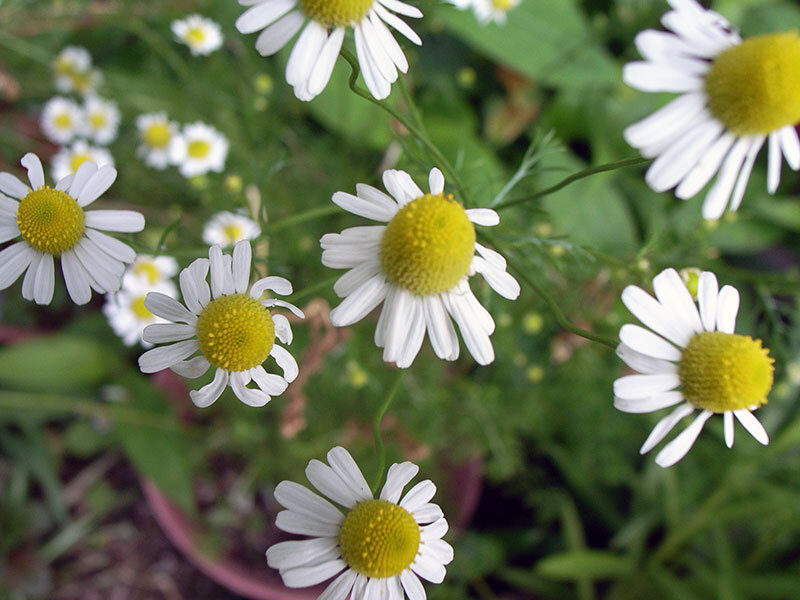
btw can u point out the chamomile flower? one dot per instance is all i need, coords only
(52, 222)
(126, 312)
(690, 359)
(229, 325)
(199, 149)
(73, 71)
(488, 11)
(202, 35)
(62, 119)
(67, 160)
(157, 135)
(227, 228)
(151, 269)
(315, 52)
(735, 96)
(379, 547)
(418, 264)
(100, 119)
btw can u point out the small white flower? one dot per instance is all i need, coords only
(734, 96)
(380, 548)
(227, 228)
(202, 35)
(62, 119)
(125, 309)
(52, 221)
(488, 11)
(231, 327)
(690, 359)
(73, 71)
(100, 119)
(151, 269)
(418, 264)
(314, 54)
(67, 160)
(199, 149)
(157, 135)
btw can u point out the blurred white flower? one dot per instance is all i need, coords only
(67, 160)
(199, 149)
(157, 135)
(488, 11)
(100, 119)
(126, 312)
(62, 119)
(227, 228)
(151, 269)
(317, 48)
(202, 35)
(73, 71)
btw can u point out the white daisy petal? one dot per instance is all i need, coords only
(649, 403)
(33, 165)
(398, 477)
(331, 485)
(438, 550)
(727, 309)
(168, 308)
(345, 467)
(208, 394)
(707, 294)
(192, 368)
(428, 568)
(292, 554)
(286, 362)
(644, 363)
(300, 499)
(242, 253)
(677, 448)
(790, 146)
(412, 585)
(96, 185)
(125, 221)
(293, 522)
(648, 343)
(277, 35)
(638, 387)
(340, 587)
(163, 357)
(13, 261)
(272, 384)
(418, 496)
(12, 186)
(278, 285)
(308, 576)
(752, 424)
(664, 426)
(673, 294)
(727, 419)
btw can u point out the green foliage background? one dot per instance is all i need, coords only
(570, 509)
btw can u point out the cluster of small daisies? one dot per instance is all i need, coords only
(488, 11)
(415, 263)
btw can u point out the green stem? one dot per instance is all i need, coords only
(628, 162)
(415, 131)
(376, 430)
(560, 316)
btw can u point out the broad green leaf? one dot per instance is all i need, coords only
(584, 564)
(57, 363)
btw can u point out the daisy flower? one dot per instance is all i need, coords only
(126, 312)
(227, 228)
(51, 222)
(73, 71)
(202, 35)
(151, 269)
(157, 135)
(418, 264)
(231, 327)
(690, 359)
(200, 149)
(314, 54)
(101, 119)
(488, 11)
(67, 160)
(380, 547)
(735, 96)
(62, 119)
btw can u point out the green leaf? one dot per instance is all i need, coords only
(584, 564)
(158, 452)
(58, 363)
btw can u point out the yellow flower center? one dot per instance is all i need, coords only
(50, 220)
(81, 81)
(195, 36)
(336, 13)
(379, 538)
(97, 120)
(428, 245)
(63, 120)
(725, 371)
(235, 332)
(233, 233)
(754, 88)
(198, 148)
(148, 269)
(77, 159)
(140, 311)
(157, 135)
(504, 5)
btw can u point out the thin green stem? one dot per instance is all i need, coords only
(376, 430)
(169, 229)
(415, 131)
(628, 162)
(560, 316)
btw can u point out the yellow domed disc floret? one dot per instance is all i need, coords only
(198, 148)
(428, 245)
(754, 88)
(157, 135)
(235, 332)
(379, 538)
(140, 311)
(148, 269)
(50, 220)
(725, 371)
(336, 13)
